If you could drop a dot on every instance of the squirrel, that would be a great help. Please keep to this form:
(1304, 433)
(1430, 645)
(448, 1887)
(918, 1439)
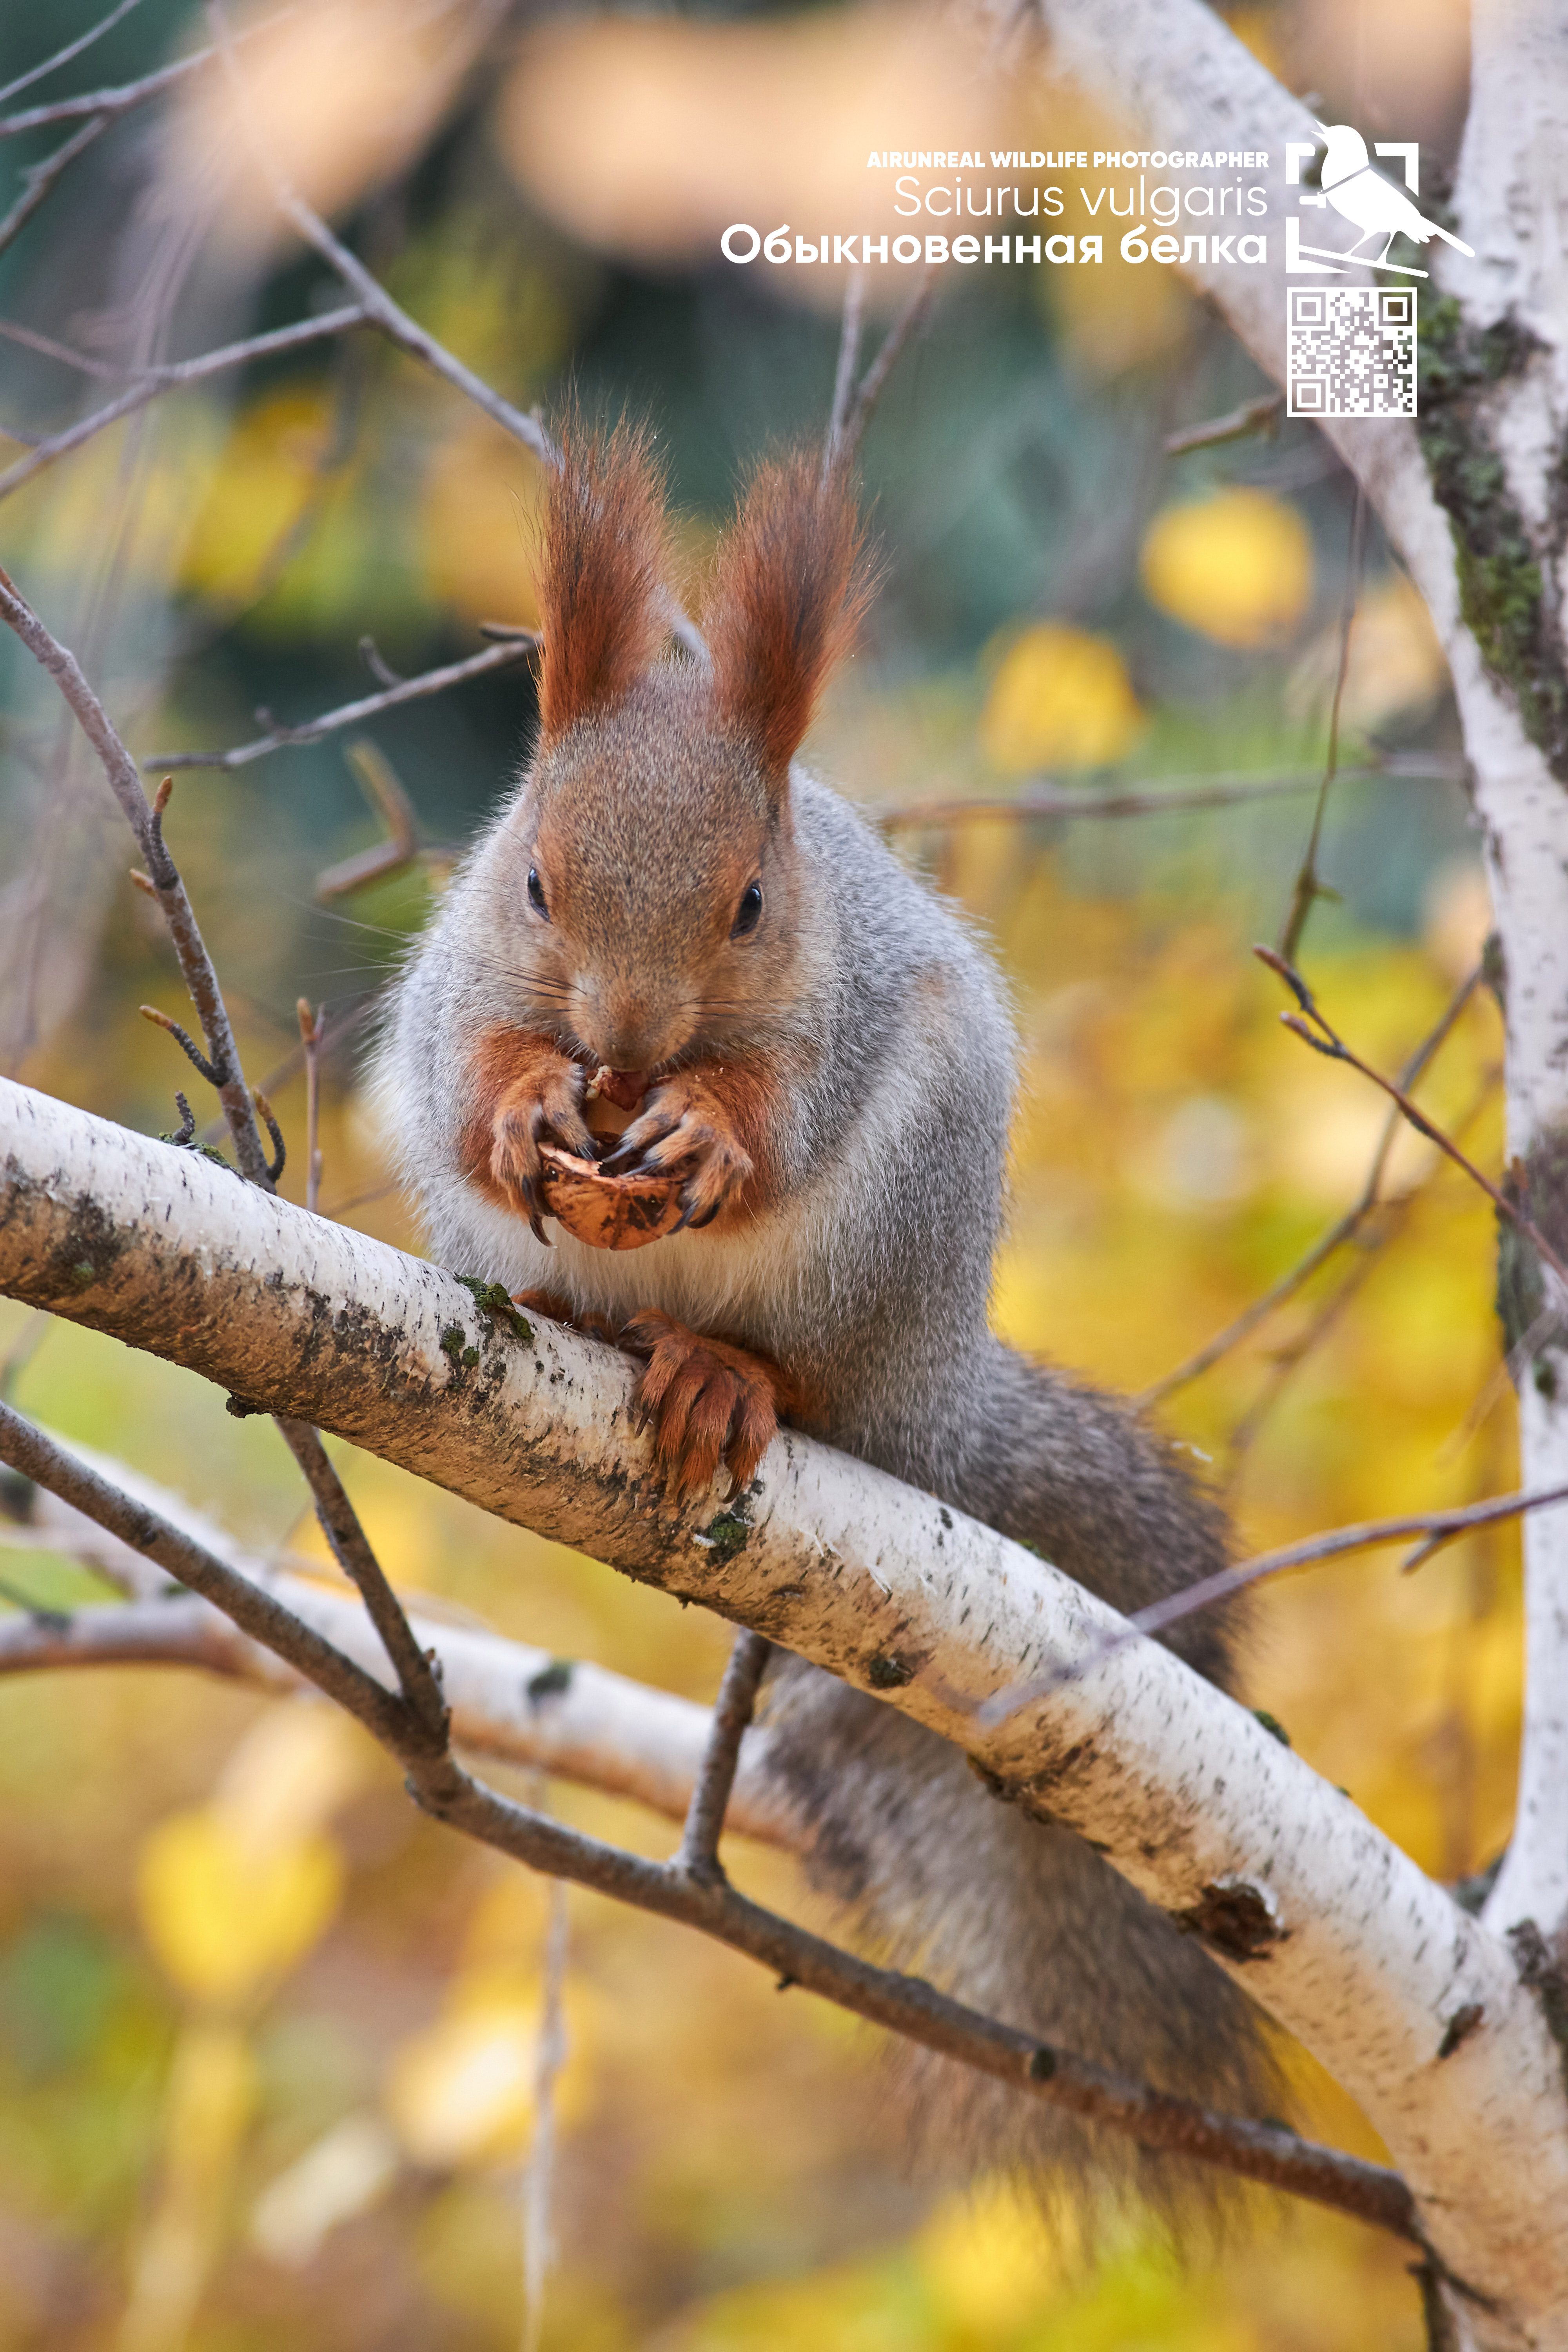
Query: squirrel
(813, 1055)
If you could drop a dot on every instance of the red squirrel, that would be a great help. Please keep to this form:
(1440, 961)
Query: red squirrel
(810, 1055)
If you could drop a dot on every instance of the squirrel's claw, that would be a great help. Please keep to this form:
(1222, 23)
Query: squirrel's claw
(686, 1126)
(708, 1402)
(550, 1108)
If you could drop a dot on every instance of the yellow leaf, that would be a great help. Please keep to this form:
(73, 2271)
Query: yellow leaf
(477, 525)
(989, 2263)
(257, 495)
(227, 1917)
(293, 1768)
(339, 96)
(1060, 699)
(338, 2176)
(1237, 566)
(464, 2089)
(210, 2099)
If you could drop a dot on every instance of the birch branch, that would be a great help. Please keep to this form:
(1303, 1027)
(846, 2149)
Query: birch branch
(1324, 1921)
(1186, 80)
(703, 1899)
(567, 1717)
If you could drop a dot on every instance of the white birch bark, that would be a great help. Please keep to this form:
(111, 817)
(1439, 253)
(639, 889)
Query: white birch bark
(1185, 80)
(566, 1718)
(1336, 1932)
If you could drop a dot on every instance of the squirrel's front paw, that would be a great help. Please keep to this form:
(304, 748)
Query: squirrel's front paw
(709, 1403)
(686, 1125)
(544, 1106)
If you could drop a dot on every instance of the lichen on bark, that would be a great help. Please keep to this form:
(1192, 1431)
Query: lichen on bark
(1504, 594)
(1539, 1184)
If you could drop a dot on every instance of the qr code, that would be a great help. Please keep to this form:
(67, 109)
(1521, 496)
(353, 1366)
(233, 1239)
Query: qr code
(1351, 350)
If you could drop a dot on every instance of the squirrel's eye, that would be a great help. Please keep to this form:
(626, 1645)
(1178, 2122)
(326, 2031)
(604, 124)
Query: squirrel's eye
(536, 893)
(748, 913)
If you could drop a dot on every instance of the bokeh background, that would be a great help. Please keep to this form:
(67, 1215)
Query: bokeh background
(267, 2040)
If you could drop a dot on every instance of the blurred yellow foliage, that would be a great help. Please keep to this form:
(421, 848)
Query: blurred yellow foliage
(1395, 660)
(209, 2104)
(338, 2176)
(650, 136)
(462, 2091)
(1059, 698)
(989, 2262)
(1237, 565)
(338, 96)
(476, 519)
(224, 1920)
(233, 1892)
(257, 496)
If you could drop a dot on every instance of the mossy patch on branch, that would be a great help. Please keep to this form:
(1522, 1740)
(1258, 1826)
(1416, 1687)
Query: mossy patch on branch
(1504, 593)
(1538, 1185)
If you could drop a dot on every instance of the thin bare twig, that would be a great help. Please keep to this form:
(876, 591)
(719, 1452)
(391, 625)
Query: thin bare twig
(903, 2005)
(11, 332)
(909, 321)
(337, 1033)
(156, 379)
(352, 1550)
(379, 782)
(254, 1610)
(349, 714)
(34, 1330)
(145, 820)
(698, 1853)
(377, 303)
(539, 2178)
(1344, 1230)
(1316, 1031)
(72, 49)
(120, 100)
(1308, 889)
(1254, 416)
(844, 375)
(381, 669)
(1369, 1535)
(312, 1029)
(1170, 797)
(1287, 1362)
(37, 181)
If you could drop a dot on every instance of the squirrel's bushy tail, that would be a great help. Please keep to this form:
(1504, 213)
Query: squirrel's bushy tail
(1020, 1919)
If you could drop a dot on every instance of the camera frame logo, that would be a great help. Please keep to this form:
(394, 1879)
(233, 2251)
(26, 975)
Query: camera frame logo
(1350, 350)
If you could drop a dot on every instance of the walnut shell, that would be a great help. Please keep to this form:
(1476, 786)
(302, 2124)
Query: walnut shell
(617, 1212)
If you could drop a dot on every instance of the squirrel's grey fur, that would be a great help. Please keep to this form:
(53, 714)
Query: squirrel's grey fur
(869, 1281)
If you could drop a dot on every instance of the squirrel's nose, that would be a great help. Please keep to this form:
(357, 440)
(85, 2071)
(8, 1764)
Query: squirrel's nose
(630, 1033)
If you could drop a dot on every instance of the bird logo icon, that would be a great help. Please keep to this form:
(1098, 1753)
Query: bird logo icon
(1359, 193)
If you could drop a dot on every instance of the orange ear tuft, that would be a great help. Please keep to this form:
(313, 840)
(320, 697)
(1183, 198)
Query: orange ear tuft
(603, 568)
(788, 594)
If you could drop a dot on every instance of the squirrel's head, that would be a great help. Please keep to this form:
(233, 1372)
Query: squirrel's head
(655, 901)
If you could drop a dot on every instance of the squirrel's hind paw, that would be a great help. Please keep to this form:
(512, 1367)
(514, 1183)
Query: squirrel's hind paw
(708, 1402)
(558, 1308)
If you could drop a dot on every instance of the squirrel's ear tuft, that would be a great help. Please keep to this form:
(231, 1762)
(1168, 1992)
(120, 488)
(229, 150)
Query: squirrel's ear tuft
(603, 568)
(789, 591)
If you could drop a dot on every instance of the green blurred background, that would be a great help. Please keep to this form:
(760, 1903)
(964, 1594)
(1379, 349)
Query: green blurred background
(267, 2038)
